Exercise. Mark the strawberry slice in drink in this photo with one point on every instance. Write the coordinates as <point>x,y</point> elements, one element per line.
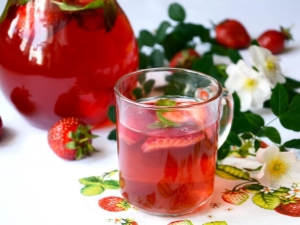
<point>127,135</point>
<point>169,138</point>
<point>198,115</point>
<point>179,117</point>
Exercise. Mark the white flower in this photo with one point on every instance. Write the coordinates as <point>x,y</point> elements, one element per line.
<point>267,64</point>
<point>280,169</point>
<point>266,190</point>
<point>295,190</point>
<point>252,89</point>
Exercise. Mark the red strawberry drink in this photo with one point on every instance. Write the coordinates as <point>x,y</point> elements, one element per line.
<point>58,62</point>
<point>167,144</point>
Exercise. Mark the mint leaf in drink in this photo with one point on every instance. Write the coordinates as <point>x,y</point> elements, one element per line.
<point>165,102</point>
<point>163,121</point>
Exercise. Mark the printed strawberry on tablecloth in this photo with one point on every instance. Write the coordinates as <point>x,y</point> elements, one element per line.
<point>237,192</point>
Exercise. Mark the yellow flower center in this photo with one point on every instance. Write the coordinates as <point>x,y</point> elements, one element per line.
<point>271,64</point>
<point>250,83</point>
<point>277,168</point>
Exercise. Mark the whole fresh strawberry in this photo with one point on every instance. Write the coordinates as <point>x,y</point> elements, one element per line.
<point>71,139</point>
<point>289,207</point>
<point>184,58</point>
<point>232,34</point>
<point>274,40</point>
<point>236,197</point>
<point>114,204</point>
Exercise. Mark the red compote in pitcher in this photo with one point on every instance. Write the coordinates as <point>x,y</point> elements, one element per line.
<point>61,58</point>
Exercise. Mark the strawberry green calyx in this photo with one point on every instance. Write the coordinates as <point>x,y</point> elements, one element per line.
<point>163,121</point>
<point>287,33</point>
<point>81,141</point>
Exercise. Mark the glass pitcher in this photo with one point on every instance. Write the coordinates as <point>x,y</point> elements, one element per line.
<point>61,58</point>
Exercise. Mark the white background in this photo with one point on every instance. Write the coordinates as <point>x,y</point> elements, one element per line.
<point>36,187</point>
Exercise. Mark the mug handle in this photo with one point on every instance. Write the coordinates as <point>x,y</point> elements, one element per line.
<point>226,116</point>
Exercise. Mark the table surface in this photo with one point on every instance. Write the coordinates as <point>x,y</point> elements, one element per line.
<point>37,187</point>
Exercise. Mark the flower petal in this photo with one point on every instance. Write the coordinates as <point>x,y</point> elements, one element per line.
<point>263,177</point>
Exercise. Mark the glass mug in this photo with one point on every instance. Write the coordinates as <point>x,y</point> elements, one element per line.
<point>169,130</point>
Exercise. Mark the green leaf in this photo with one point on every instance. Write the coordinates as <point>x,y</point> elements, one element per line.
<point>247,136</point>
<point>204,64</point>
<point>141,78</point>
<point>148,86</point>
<point>266,201</point>
<point>161,32</point>
<point>237,104</point>
<point>202,32</point>
<point>273,134</point>
<point>253,188</point>
<point>256,144</point>
<point>112,135</point>
<point>254,42</point>
<point>218,49</point>
<point>255,120</point>
<point>247,122</point>
<point>112,113</point>
<point>73,8</point>
<point>295,105</point>
<point>111,184</point>
<point>91,190</point>
<point>144,61</point>
<point>90,180</point>
<point>137,92</point>
<point>176,12</point>
<point>157,58</point>
<point>234,139</point>
<point>184,32</point>
<point>234,55</point>
<point>291,83</point>
<point>147,38</point>
<point>279,100</point>
<point>172,45</point>
<point>282,191</point>
<point>223,151</point>
<point>165,121</point>
<point>290,121</point>
<point>294,143</point>
<point>231,173</point>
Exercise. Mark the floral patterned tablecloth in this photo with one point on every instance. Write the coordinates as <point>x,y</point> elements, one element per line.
<point>237,199</point>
